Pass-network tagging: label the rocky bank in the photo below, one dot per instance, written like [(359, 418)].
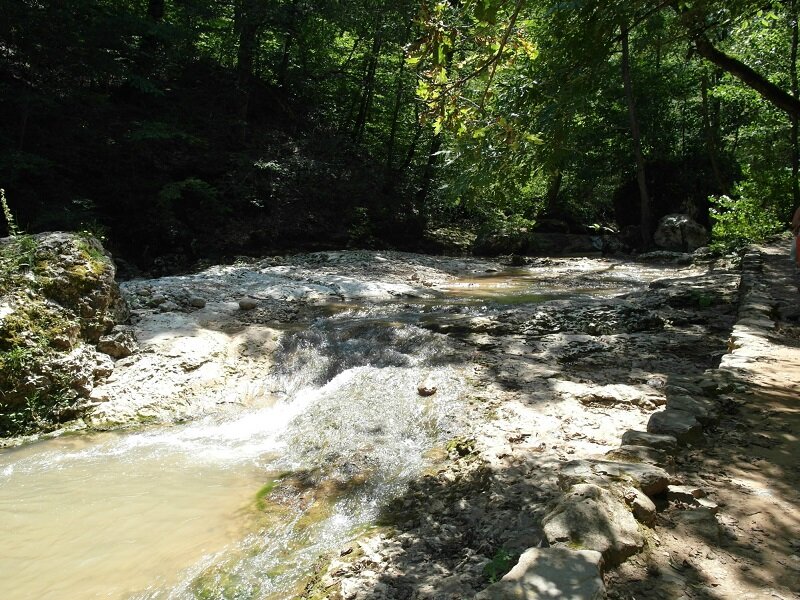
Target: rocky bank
[(581, 404)]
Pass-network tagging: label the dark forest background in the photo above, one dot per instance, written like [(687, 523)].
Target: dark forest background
[(187, 129)]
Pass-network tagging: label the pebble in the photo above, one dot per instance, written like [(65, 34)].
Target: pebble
[(248, 303), (197, 302)]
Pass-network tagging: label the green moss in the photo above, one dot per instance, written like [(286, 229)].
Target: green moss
[(461, 446), (34, 323)]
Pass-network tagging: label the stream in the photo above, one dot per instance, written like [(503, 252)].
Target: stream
[(242, 503)]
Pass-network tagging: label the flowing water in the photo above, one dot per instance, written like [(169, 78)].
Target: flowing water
[(185, 511)]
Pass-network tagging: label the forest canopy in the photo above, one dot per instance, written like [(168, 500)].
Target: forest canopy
[(192, 128)]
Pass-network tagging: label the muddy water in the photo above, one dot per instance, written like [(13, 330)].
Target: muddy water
[(174, 512)]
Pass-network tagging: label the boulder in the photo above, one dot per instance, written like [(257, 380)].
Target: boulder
[(643, 509), (703, 409), (544, 573), (119, 343), (650, 479), (681, 425), (590, 517), (681, 233), (248, 303), (642, 454), (653, 440), (58, 297)]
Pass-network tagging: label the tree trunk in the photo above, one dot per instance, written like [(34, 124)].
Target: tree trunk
[(794, 118), (389, 177), (553, 190), (711, 135), (644, 222), (283, 67), (368, 86), (247, 26), (768, 90), (427, 173)]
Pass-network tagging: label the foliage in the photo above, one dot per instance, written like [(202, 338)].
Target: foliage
[(742, 219), (501, 563), (9, 216), (226, 127)]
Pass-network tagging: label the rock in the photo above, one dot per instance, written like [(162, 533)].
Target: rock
[(644, 454), (157, 299), (616, 393), (592, 518), (683, 426), (61, 296), (424, 391), (168, 306), (642, 438), (681, 233), (248, 303), (118, 344), (544, 573), (644, 510), (703, 409), (649, 479), (707, 504), (197, 302), (684, 493)]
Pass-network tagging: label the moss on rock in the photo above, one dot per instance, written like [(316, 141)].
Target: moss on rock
[(57, 293)]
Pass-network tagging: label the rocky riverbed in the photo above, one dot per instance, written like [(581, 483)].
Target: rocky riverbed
[(575, 384)]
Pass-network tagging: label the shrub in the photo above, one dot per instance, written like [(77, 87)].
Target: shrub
[(743, 219)]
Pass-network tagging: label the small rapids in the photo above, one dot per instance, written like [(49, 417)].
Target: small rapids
[(240, 507)]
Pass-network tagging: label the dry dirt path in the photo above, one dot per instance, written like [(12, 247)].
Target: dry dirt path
[(749, 466)]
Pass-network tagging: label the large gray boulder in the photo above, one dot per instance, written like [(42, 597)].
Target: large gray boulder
[(681, 425), (681, 233), (546, 573), (590, 517)]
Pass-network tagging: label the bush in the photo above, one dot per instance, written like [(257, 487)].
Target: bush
[(743, 219)]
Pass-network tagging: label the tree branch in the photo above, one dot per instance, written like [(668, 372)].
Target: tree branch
[(768, 90)]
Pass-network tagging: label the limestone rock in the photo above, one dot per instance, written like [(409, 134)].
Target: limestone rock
[(630, 453), (680, 424), (593, 518), (684, 493), (644, 510), (703, 409), (58, 292), (551, 573), (649, 479), (643, 438), (118, 344), (606, 394), (680, 232)]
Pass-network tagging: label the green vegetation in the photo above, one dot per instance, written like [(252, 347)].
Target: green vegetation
[(182, 130), (11, 224), (501, 563)]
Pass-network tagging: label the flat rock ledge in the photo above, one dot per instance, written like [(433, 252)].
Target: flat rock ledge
[(551, 573)]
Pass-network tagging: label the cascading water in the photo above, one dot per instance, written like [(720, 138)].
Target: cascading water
[(174, 512)]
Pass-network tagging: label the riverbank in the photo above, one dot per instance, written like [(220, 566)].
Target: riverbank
[(536, 378), (749, 548)]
